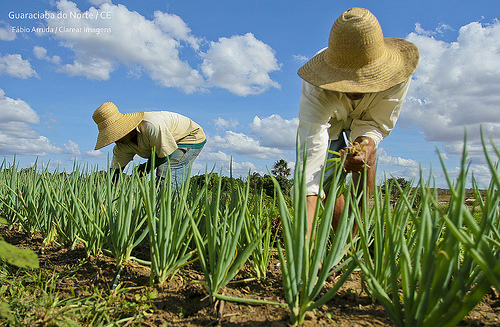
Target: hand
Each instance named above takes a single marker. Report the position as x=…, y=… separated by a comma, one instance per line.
x=357, y=159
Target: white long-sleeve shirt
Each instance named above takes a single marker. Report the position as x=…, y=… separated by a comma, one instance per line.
x=324, y=114
x=162, y=130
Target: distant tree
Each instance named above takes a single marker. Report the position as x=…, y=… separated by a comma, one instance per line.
x=393, y=189
x=405, y=185
x=281, y=169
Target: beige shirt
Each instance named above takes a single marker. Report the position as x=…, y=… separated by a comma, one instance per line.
x=162, y=130
x=324, y=114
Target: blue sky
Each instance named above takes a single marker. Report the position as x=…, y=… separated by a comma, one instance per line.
x=232, y=67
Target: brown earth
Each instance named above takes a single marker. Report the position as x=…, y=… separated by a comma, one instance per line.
x=182, y=301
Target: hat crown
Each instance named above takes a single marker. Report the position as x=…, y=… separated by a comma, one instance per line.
x=105, y=115
x=356, y=39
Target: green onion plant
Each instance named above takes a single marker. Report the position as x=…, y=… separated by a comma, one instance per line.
x=258, y=227
x=306, y=263
x=84, y=204
x=220, y=255
x=167, y=210
x=439, y=282
x=125, y=217
x=481, y=239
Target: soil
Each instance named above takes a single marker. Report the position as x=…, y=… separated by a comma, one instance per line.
x=182, y=301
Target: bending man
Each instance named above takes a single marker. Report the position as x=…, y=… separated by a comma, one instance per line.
x=352, y=90
x=176, y=139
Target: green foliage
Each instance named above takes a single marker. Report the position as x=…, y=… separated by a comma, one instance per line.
x=259, y=228
x=219, y=252
x=426, y=263
x=281, y=169
x=23, y=258
x=168, y=225
x=389, y=187
x=442, y=265
x=34, y=300
x=300, y=257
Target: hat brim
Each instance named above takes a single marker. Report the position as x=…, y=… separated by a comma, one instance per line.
x=121, y=127
x=398, y=63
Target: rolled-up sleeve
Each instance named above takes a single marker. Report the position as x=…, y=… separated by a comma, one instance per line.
x=121, y=156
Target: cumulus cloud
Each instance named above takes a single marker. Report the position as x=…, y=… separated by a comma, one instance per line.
x=275, y=131
x=16, y=134
x=385, y=159
x=300, y=59
x=72, y=147
x=6, y=33
x=456, y=86
x=223, y=160
x=41, y=53
x=14, y=65
x=224, y=123
x=270, y=138
x=240, y=64
x=96, y=154
x=101, y=45
x=243, y=144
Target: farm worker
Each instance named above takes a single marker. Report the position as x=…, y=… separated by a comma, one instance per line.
x=176, y=139
x=352, y=90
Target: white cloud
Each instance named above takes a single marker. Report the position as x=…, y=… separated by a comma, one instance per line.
x=99, y=2
x=221, y=161
x=383, y=158
x=223, y=123
x=242, y=144
x=14, y=65
x=174, y=26
x=240, y=64
x=101, y=45
x=41, y=53
x=300, y=59
x=6, y=33
x=439, y=30
x=92, y=68
x=72, y=147
x=16, y=111
x=482, y=175
x=275, y=131
x=96, y=154
x=158, y=47
x=456, y=87
x=16, y=134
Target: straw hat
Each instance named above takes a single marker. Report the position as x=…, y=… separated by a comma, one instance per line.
x=112, y=124
x=359, y=59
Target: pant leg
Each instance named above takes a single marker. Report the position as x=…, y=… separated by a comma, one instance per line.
x=178, y=163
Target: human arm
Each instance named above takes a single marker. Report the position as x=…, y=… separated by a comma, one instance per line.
x=356, y=161
x=146, y=167
x=121, y=157
x=314, y=116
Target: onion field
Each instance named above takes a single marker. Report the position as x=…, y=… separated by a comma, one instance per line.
x=421, y=262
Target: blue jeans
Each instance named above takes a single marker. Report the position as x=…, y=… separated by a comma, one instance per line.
x=178, y=163
x=335, y=145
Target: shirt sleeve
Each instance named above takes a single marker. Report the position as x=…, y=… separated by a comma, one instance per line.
x=313, y=133
x=381, y=116
x=121, y=157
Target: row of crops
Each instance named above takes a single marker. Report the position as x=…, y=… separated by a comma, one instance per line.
x=426, y=264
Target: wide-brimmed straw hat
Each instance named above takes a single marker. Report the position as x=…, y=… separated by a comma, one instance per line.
x=112, y=124
x=359, y=59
